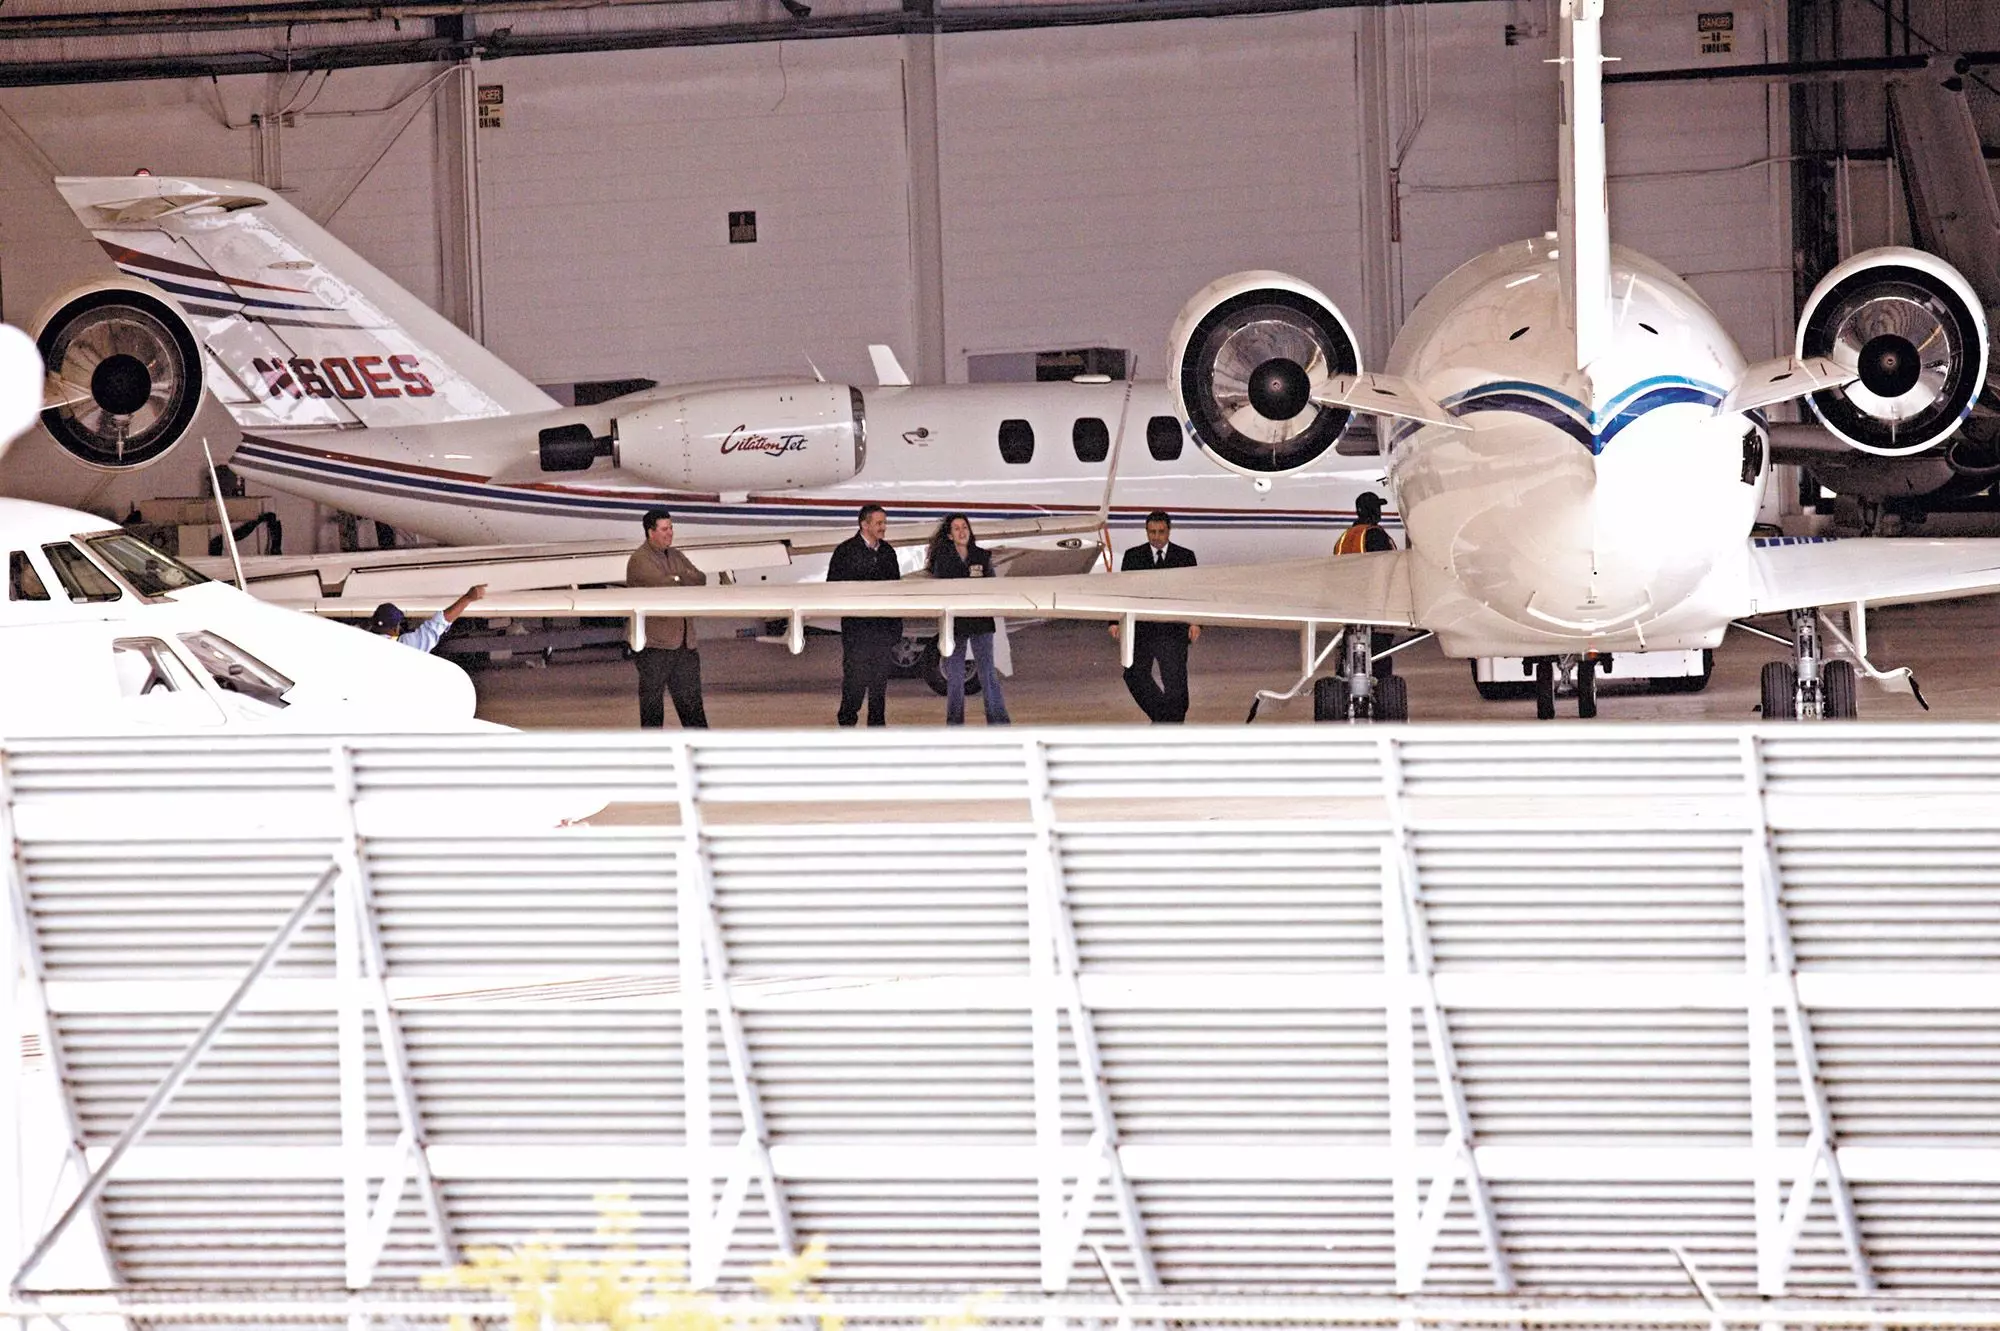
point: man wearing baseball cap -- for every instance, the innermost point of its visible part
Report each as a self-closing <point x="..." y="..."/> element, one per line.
<point x="387" y="621"/>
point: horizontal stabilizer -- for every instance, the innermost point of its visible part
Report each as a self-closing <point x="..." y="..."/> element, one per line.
<point x="1353" y="589"/>
<point x="1794" y="573"/>
<point x="1782" y="379"/>
<point x="1385" y="395"/>
<point x="889" y="371"/>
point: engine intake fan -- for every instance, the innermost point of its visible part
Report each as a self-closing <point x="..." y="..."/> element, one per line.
<point x="1250" y="356"/>
<point x="125" y="376"/>
<point x="1909" y="325"/>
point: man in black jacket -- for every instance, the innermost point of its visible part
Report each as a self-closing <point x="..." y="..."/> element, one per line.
<point x="867" y="642"/>
<point x="1164" y="644"/>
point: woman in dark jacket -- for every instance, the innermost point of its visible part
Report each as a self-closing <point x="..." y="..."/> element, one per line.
<point x="955" y="554"/>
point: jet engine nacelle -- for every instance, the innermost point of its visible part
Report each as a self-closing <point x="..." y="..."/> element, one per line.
<point x="769" y="437"/>
<point x="125" y="373"/>
<point x="1912" y="328"/>
<point x="1246" y="357"/>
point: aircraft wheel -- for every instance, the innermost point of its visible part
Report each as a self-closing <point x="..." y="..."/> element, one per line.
<point x="1501" y="690"/>
<point x="1586" y="688"/>
<point x="1392" y="699"/>
<point x="911" y="657"/>
<point x="930" y="666"/>
<point x="1545" y="690"/>
<point x="1330" y="698"/>
<point x="1837" y="687"/>
<point x="1779" y="684"/>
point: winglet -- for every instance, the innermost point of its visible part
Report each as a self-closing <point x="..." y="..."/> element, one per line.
<point x="889" y="371"/>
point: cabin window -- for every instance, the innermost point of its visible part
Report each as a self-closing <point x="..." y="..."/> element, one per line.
<point x="1163" y="438"/>
<point x="1091" y="439"/>
<point x="83" y="580"/>
<point x="23" y="583"/>
<point x="151" y="572"/>
<point x="146" y="666"/>
<point x="1017" y="441"/>
<point x="236" y="670"/>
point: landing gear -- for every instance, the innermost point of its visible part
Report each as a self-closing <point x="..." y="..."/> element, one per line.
<point x="1808" y="687"/>
<point x="1355" y="694"/>
<point x="1565" y="674"/>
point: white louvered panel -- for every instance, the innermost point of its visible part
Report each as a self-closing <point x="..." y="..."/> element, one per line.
<point x="1880" y="763"/>
<point x="571" y="1214"/>
<point x="1558" y="765"/>
<point x="178" y="908"/>
<point x="1897" y="900"/>
<point x="241" y="766"/>
<point x="926" y="1077"/>
<point x="1543" y="897"/>
<point x="1276" y="1236"/>
<point x="1615" y="1237"/>
<point x="601" y="767"/>
<point x="270" y="1077"/>
<point x="565" y="1075"/>
<point x="1932" y="1236"/>
<point x="1255" y="1077"/>
<point x="1270" y="766"/>
<point x="737" y="767"/>
<point x="970" y="1234"/>
<point x="249" y="1233"/>
<point x="1605" y="1078"/>
<point x="924" y="899"/>
<point x="1911" y="1078"/>
<point x="584" y="899"/>
<point x="1288" y="896"/>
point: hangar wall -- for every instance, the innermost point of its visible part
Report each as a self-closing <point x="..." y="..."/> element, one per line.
<point x="1090" y="178"/>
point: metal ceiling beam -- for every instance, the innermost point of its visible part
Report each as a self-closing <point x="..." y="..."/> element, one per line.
<point x="270" y="25"/>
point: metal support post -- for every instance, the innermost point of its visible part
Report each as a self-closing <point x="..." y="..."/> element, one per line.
<point x="412" y="1156"/>
<point x="704" y="1247"/>
<point x="1444" y="1058"/>
<point x="177" y="1075"/>
<point x="1105" y="1143"/>
<point x="754" y="1148"/>
<point x="1821" y="1150"/>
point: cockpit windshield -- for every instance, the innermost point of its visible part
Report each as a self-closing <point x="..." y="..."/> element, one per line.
<point x="236" y="670"/>
<point x="151" y="572"/>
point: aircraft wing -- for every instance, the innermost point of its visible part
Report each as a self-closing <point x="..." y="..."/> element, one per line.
<point x="372" y="576"/>
<point x="1352" y="589"/>
<point x="1794" y="572"/>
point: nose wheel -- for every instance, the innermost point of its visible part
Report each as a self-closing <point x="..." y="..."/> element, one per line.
<point x="1565" y="674"/>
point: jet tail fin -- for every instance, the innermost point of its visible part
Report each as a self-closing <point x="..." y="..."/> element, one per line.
<point x="1583" y="204"/>
<point x="299" y="330"/>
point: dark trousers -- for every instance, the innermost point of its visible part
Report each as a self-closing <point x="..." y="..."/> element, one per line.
<point x="1166" y="645"/>
<point x="673" y="670"/>
<point x="864" y="673"/>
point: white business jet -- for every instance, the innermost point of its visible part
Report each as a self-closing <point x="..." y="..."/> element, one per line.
<point x="351" y="392"/>
<point x="1573" y="440"/>
<point x="101" y="633"/>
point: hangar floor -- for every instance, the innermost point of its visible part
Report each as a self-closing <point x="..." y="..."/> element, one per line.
<point x="1067" y="673"/>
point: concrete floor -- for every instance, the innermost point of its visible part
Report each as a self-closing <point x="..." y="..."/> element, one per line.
<point x="1067" y="673"/>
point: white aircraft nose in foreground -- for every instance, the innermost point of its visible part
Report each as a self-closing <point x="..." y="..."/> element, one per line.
<point x="1574" y="442"/>
<point x="102" y="633"/>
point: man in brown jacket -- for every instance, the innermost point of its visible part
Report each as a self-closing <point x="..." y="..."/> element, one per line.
<point x="669" y="662"/>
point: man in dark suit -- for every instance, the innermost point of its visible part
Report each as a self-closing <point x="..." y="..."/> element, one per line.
<point x="867" y="642"/>
<point x="1163" y="644"/>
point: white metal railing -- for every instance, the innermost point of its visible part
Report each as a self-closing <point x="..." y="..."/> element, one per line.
<point x="1225" y="1007"/>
